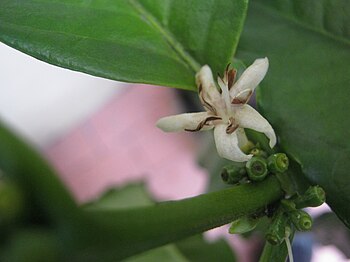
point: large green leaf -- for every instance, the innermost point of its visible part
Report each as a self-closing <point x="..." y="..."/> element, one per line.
<point x="161" y="42"/>
<point x="306" y="92"/>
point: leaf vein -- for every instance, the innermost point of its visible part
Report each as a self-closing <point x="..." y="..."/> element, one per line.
<point x="171" y="40"/>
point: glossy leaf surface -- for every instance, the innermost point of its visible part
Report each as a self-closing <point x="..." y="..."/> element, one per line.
<point x="305" y="94"/>
<point x="145" y="41"/>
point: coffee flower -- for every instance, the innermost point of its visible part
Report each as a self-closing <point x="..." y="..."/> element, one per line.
<point x="226" y="110"/>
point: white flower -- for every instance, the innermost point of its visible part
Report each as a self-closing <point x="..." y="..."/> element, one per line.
<point x="226" y="110"/>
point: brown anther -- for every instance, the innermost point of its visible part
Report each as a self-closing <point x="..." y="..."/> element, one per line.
<point x="219" y="76"/>
<point x="200" y="88"/>
<point x="237" y="101"/>
<point x="231" y="75"/>
<point x="203" y="123"/>
<point x="226" y="72"/>
<point x="207" y="105"/>
<point x="227" y="67"/>
<point x="231" y="127"/>
<point x="240" y="101"/>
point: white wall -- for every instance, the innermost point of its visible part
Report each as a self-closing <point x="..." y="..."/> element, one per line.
<point x="43" y="102"/>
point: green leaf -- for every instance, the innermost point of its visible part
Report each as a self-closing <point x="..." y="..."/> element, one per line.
<point x="305" y="95"/>
<point x="146" y="41"/>
<point x="196" y="249"/>
<point x="132" y="195"/>
<point x="168" y="253"/>
<point x="243" y="225"/>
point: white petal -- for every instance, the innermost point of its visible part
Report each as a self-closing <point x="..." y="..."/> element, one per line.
<point x="227" y="145"/>
<point x="242" y="138"/>
<point x="209" y="92"/>
<point x="250" y="78"/>
<point x="183" y="121"/>
<point x="248" y="117"/>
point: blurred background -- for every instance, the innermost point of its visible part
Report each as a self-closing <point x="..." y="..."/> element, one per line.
<point x="99" y="133"/>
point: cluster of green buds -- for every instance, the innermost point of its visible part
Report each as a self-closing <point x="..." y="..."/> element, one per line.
<point x="287" y="216"/>
<point x="290" y="214"/>
<point x="257" y="168"/>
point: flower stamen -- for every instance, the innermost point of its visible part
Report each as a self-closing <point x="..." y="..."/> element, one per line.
<point x="231" y="127"/>
<point x="203" y="123"/>
<point x="238" y="100"/>
<point x="205" y="103"/>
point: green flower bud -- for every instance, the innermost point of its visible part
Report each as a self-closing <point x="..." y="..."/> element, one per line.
<point x="232" y="174"/>
<point x="278" y="163"/>
<point x="256" y="168"/>
<point x="313" y="197"/>
<point x="301" y="220"/>
<point x="258" y="152"/>
<point x="277" y="230"/>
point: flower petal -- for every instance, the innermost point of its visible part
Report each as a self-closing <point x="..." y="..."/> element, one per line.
<point x="188" y="121"/>
<point x="227" y="145"/>
<point x="248" y="117"/>
<point x="249" y="80"/>
<point x="208" y="92"/>
<point x="242" y="137"/>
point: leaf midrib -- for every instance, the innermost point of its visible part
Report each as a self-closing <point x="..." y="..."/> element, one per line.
<point x="302" y="24"/>
<point x="168" y="36"/>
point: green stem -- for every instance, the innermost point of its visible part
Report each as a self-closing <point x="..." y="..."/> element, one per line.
<point x="135" y="230"/>
<point x="276" y="253"/>
<point x="115" y="234"/>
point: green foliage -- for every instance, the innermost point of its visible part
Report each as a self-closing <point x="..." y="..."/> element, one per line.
<point x="146" y="41"/>
<point x="109" y="231"/>
<point x="132" y="195"/>
<point x="191" y="249"/>
<point x="164" y="42"/>
<point x="276" y="253"/>
<point x="196" y="249"/>
<point x="305" y="93"/>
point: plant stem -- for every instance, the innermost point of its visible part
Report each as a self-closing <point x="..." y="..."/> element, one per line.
<point x="275" y="253"/>
<point x="135" y="230"/>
